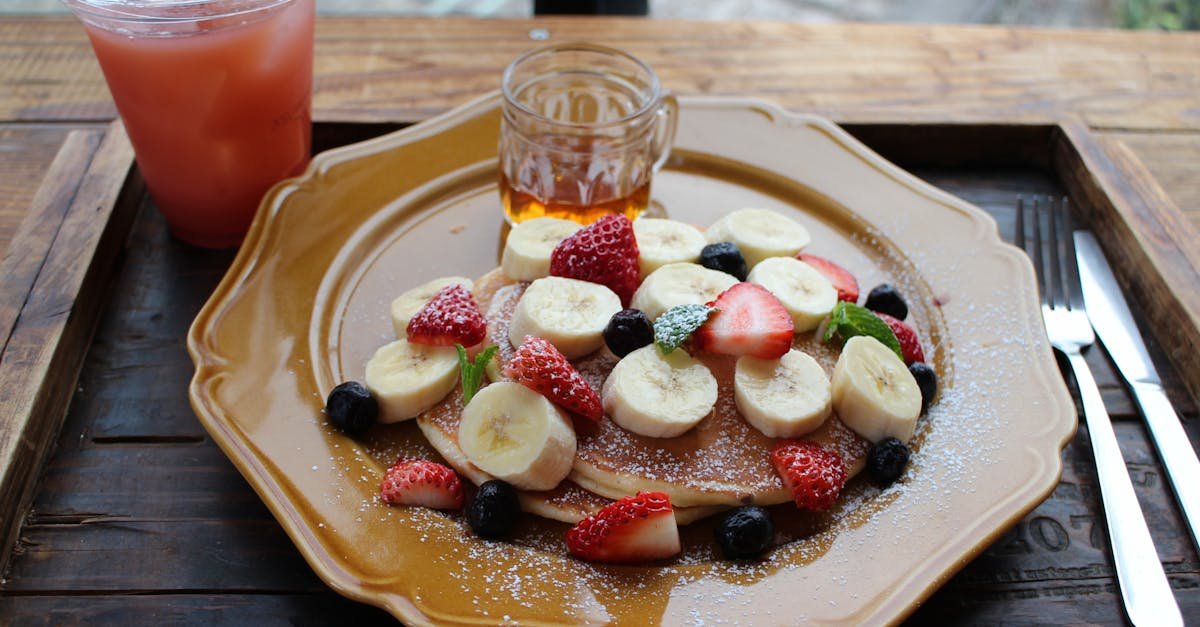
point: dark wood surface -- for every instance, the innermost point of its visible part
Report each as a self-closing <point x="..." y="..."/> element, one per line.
<point x="139" y="517"/>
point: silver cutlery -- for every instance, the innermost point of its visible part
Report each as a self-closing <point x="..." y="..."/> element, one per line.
<point x="1145" y="592"/>
<point x="1114" y="323"/>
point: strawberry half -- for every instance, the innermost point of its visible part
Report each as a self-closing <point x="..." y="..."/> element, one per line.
<point x="421" y="482"/>
<point x="539" y="366"/>
<point x="450" y="318"/>
<point x="633" y="529"/>
<point x="604" y="252"/>
<point x="910" y="344"/>
<point x="844" y="282"/>
<point x="749" y="321"/>
<point x="814" y="475"/>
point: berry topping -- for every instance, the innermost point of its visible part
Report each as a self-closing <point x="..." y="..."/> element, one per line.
<point x="814" y="475"/>
<point x="848" y="320"/>
<point x="452" y="317"/>
<point x="724" y="257"/>
<point x="633" y="529"/>
<point x="627" y="331"/>
<point x="844" y="282"/>
<point x="678" y="323"/>
<point x="540" y="367"/>
<point x="885" y="298"/>
<point x="745" y="532"/>
<point x="604" y="252"/>
<point x="749" y="321"/>
<point x="421" y="482"/>
<point x="495" y="510"/>
<point x="886" y="461"/>
<point x="351" y="408"/>
<point x="910" y="345"/>
<point x="926" y="380"/>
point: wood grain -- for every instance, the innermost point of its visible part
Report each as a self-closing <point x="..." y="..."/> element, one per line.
<point x="26" y="152"/>
<point x="1174" y="161"/>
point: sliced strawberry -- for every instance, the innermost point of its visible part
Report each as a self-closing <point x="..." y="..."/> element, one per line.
<point x="421" y="482"/>
<point x="910" y="344"/>
<point x="749" y="321"/>
<point x="604" y="252"/>
<point x="633" y="529"/>
<point x="844" y="282"/>
<point x="539" y="366"/>
<point x="450" y="318"/>
<point x="814" y="475"/>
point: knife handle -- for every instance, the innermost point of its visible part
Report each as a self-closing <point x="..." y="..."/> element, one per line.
<point x="1175" y="450"/>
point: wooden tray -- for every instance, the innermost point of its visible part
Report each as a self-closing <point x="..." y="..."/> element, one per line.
<point x="1112" y="190"/>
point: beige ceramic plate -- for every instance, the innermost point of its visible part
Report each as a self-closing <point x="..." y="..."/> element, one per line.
<point x="306" y="303"/>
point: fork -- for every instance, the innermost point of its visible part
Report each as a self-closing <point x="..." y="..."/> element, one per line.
<point x="1145" y="591"/>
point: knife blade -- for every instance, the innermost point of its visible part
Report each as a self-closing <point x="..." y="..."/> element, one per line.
<point x="1110" y="316"/>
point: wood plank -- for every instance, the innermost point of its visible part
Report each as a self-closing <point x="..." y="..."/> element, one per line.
<point x="406" y="69"/>
<point x="26" y="154"/>
<point x="47" y="343"/>
<point x="1172" y="158"/>
<point x="188" y="610"/>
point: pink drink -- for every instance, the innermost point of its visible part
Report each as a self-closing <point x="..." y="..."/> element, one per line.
<point x="218" y="109"/>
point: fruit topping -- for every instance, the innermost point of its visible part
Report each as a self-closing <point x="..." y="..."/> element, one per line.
<point x="725" y="257"/>
<point x="873" y="392"/>
<point x="421" y="482"/>
<point x="450" y="318"/>
<point x="813" y="474"/>
<point x="627" y="331"/>
<point x="658" y="395"/>
<point x="570" y="313"/>
<point x="528" y="247"/>
<point x="675" y="326"/>
<point x="749" y="321"/>
<point x="759" y="234"/>
<point x="661" y="242"/>
<point x="351" y="408"/>
<point x="783" y="398"/>
<point x="848" y="320"/>
<point x="886" y="461"/>
<point x="885" y="298"/>
<point x="495" y="510"/>
<point x="515" y="434"/>
<point x="604" y="252"/>
<point x="471" y="373"/>
<point x="679" y="284"/>
<point x="844" y="282"/>
<point x="539" y="366"/>
<point x="745" y="532"/>
<point x="406" y="379"/>
<point x="805" y="293"/>
<point x="406" y="305"/>
<point x="910" y="344"/>
<point x="926" y="380"/>
<point x="634" y="529"/>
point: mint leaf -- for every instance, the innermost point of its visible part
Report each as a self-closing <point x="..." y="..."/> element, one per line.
<point x="675" y="326"/>
<point x="472" y="373"/>
<point x="848" y="320"/>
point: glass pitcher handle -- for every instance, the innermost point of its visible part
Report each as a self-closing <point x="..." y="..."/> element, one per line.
<point x="664" y="131"/>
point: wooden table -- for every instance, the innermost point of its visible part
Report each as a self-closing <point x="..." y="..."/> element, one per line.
<point x="130" y="513"/>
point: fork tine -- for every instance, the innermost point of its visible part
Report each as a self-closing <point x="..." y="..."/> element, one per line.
<point x="1019" y="228"/>
<point x="1074" y="290"/>
<point x="1059" y="289"/>
<point x="1039" y="259"/>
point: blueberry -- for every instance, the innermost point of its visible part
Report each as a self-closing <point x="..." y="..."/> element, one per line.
<point x="886" y="461"/>
<point x="495" y="509"/>
<point x="926" y="380"/>
<point x="885" y="298"/>
<point x="724" y="257"/>
<point x="745" y="532"/>
<point x="627" y="331"/>
<point x="351" y="408"/>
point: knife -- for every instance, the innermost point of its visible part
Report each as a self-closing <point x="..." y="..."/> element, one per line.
<point x="1114" y="324"/>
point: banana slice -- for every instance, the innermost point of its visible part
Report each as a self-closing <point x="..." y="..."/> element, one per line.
<point x="658" y="395"/>
<point x="409" y="303"/>
<point x="406" y="379"/>
<point x="571" y="314"/>
<point x="679" y="284"/>
<point x="784" y="398"/>
<point x="661" y="242"/>
<point x="760" y="234"/>
<point x="515" y="434"/>
<point x="527" y="249"/>
<point x="805" y="293"/>
<point x="873" y="391"/>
